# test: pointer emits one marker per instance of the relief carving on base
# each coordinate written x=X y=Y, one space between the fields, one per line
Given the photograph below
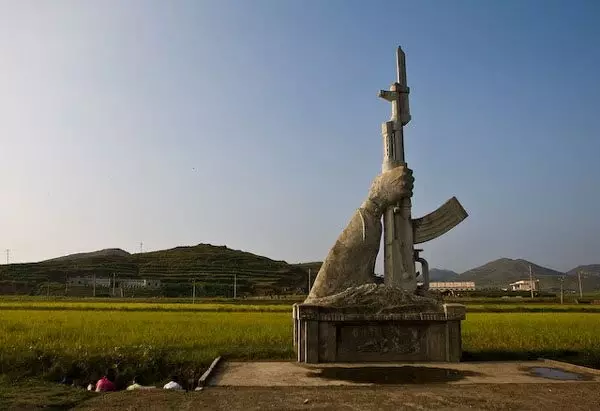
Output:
x=387 y=340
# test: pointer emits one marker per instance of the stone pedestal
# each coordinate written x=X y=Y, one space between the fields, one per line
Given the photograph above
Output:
x=325 y=334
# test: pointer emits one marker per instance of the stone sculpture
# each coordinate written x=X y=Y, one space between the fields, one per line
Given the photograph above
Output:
x=351 y=261
x=345 y=310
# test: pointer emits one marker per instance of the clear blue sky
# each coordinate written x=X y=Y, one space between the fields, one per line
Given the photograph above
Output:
x=256 y=124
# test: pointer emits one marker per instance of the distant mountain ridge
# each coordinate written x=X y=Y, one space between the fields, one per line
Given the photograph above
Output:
x=213 y=268
x=107 y=252
x=216 y=265
x=503 y=271
x=441 y=275
x=590 y=269
x=500 y=273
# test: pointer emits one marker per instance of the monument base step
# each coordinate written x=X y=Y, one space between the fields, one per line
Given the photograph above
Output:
x=326 y=334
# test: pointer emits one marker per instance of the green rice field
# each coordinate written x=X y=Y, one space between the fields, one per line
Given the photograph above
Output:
x=52 y=339
x=40 y=304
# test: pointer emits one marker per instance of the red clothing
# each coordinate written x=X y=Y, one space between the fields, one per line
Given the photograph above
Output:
x=104 y=384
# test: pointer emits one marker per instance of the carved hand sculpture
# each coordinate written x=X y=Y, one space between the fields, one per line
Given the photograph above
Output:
x=351 y=261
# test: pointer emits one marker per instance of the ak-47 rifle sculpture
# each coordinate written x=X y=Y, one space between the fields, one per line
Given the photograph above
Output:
x=400 y=231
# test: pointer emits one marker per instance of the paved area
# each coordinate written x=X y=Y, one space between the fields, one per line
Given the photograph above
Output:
x=292 y=374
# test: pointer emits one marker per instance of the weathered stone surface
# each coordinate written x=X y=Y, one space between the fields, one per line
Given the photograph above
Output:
x=380 y=298
x=438 y=222
x=328 y=334
x=320 y=313
x=348 y=318
x=351 y=261
x=398 y=260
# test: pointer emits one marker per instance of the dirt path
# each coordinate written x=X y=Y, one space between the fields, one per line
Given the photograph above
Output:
x=566 y=396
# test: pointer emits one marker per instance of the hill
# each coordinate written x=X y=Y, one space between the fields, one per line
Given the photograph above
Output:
x=107 y=252
x=438 y=274
x=592 y=270
x=500 y=273
x=213 y=268
x=314 y=266
x=590 y=277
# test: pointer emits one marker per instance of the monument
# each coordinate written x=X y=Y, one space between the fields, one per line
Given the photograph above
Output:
x=346 y=316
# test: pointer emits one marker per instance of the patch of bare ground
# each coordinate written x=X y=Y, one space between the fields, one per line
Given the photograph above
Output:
x=566 y=396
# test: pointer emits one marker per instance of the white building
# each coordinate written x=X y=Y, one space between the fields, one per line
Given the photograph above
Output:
x=525 y=285
x=452 y=286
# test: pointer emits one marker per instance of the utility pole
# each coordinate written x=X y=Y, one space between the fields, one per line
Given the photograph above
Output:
x=562 y=280
x=194 y=291
x=7 y=256
x=234 y=286
x=580 y=288
x=530 y=281
x=114 y=285
x=48 y=287
x=309 y=272
x=141 y=247
x=94 y=284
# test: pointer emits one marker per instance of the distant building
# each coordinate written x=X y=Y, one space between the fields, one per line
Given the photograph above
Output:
x=89 y=281
x=120 y=282
x=524 y=285
x=138 y=283
x=452 y=286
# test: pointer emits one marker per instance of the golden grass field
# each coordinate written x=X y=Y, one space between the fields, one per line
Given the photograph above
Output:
x=51 y=339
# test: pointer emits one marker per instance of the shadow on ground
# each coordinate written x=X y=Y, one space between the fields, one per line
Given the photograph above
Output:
x=392 y=375
x=507 y=355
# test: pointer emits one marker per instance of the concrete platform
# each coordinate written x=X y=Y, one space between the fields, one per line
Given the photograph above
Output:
x=293 y=374
x=325 y=334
